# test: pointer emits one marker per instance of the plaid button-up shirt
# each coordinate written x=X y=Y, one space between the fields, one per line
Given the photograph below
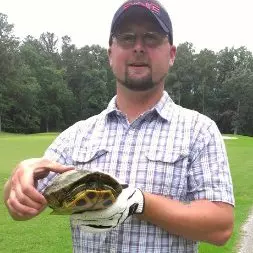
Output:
x=168 y=150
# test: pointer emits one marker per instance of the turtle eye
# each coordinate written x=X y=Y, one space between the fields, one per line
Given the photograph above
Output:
x=106 y=195
x=91 y=195
x=107 y=203
x=81 y=202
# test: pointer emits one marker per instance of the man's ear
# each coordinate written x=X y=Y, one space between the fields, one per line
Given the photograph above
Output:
x=172 y=55
x=109 y=53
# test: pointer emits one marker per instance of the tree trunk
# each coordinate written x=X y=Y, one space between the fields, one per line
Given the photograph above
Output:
x=179 y=98
x=179 y=94
x=203 y=96
x=237 y=118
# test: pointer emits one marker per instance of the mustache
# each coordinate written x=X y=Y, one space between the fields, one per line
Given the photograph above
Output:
x=138 y=63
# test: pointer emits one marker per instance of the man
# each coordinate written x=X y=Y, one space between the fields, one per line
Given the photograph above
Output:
x=173 y=159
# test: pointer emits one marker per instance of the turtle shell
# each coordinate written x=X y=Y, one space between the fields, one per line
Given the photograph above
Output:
x=76 y=191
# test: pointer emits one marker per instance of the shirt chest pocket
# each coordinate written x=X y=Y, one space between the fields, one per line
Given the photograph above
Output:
x=167 y=173
x=90 y=158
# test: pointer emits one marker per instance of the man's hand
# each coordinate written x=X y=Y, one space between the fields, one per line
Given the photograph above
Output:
x=129 y=202
x=20 y=195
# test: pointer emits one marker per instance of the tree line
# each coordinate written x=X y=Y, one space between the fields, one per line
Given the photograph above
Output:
x=46 y=88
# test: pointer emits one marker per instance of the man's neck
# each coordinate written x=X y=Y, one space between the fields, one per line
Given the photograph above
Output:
x=135 y=103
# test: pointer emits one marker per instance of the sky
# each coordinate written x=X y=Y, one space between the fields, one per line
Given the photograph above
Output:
x=208 y=24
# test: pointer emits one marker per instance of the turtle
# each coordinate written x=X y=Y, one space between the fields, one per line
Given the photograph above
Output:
x=76 y=191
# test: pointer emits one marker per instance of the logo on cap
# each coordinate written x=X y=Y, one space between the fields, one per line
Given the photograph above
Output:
x=152 y=7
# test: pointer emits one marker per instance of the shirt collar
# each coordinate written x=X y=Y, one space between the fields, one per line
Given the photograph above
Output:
x=111 y=108
x=164 y=106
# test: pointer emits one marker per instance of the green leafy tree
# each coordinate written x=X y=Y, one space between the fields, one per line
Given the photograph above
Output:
x=8 y=51
x=235 y=67
x=181 y=80
x=205 y=97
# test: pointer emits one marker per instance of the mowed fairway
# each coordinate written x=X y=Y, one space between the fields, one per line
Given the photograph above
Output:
x=240 y=153
x=45 y=233
x=48 y=233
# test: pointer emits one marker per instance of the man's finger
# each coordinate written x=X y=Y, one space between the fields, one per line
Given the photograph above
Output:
x=43 y=166
x=53 y=166
x=25 y=184
x=25 y=200
x=33 y=194
x=46 y=164
x=19 y=210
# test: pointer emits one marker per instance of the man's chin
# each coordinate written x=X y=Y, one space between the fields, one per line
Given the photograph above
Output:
x=139 y=84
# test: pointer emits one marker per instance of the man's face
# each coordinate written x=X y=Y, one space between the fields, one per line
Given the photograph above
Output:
x=140 y=65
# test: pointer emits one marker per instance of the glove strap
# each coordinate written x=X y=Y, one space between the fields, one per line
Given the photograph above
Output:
x=140 y=206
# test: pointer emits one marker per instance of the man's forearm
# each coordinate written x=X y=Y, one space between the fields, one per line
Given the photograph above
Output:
x=199 y=220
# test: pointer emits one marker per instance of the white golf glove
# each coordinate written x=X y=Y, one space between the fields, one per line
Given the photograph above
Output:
x=129 y=202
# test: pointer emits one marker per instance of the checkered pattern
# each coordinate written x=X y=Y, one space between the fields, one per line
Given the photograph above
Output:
x=169 y=150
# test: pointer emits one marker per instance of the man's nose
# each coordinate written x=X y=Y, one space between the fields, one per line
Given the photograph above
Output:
x=139 y=45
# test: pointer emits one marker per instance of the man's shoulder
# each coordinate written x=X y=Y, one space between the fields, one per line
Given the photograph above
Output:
x=86 y=126
x=89 y=123
x=189 y=115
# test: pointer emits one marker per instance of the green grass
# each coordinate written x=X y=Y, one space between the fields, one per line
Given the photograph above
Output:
x=44 y=233
x=240 y=153
x=47 y=233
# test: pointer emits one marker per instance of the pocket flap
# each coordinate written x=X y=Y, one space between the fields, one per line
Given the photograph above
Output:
x=85 y=155
x=165 y=156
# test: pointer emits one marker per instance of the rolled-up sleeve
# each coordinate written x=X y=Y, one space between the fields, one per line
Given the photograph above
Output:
x=58 y=151
x=209 y=174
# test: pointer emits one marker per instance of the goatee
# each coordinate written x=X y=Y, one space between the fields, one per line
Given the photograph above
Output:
x=142 y=84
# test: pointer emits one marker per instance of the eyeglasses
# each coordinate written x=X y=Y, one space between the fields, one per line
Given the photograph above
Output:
x=150 y=39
